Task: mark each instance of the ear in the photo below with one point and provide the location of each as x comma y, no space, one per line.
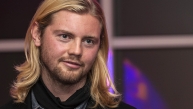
36,34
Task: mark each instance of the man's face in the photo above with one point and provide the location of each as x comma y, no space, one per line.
69,46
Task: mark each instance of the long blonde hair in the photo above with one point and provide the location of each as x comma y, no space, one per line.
99,75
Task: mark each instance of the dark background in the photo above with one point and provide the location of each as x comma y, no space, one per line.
15,16
169,69
153,17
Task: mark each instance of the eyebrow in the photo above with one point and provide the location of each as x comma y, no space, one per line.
63,31
71,34
90,37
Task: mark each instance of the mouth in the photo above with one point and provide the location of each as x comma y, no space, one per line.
72,64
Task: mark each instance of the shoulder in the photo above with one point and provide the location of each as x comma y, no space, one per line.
123,105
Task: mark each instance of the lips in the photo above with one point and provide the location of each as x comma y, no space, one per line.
72,65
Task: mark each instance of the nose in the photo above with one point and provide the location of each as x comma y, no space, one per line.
75,49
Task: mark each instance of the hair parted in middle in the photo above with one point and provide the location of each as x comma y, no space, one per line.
29,71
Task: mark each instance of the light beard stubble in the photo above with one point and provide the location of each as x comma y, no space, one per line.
66,77
57,74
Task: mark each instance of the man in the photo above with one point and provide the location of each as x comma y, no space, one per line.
66,49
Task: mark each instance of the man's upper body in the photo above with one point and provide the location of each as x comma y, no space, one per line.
66,48
40,97
11,105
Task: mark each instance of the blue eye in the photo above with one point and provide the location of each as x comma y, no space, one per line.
89,41
64,36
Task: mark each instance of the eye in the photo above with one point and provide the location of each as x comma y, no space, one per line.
64,37
89,41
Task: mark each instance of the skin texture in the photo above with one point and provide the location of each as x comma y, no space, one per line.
68,49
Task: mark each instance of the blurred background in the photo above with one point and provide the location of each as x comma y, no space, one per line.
150,56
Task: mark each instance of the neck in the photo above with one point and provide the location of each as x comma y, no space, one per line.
63,91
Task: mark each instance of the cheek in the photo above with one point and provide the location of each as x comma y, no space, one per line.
50,51
54,48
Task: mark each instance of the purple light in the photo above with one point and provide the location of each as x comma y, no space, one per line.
110,67
138,91
110,64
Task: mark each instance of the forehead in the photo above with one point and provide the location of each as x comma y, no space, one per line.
74,22
68,14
